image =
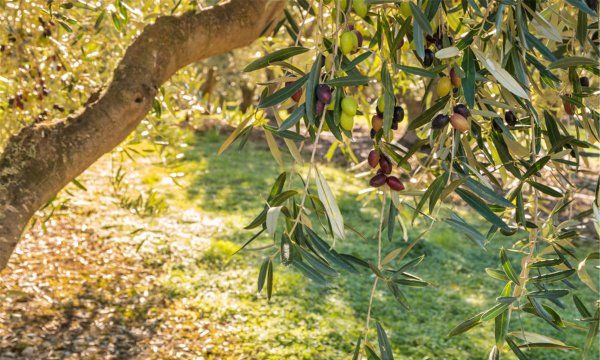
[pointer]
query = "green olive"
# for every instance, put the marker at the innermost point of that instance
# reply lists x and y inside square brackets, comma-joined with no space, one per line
[347,121]
[348,42]
[444,86]
[360,8]
[349,106]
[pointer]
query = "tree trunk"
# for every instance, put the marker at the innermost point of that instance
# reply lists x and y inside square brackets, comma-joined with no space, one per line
[44,157]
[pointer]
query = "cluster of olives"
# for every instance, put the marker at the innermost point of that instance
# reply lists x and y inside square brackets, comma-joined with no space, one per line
[350,40]
[383,173]
[448,83]
[349,105]
[458,119]
[569,107]
[377,120]
[437,40]
[376,158]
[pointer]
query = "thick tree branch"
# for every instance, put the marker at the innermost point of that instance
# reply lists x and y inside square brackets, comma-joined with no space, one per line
[42,158]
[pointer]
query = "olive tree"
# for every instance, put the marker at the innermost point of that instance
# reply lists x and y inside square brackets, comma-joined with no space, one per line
[505,119]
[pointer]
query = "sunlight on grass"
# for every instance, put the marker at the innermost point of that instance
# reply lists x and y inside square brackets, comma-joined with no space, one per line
[307,321]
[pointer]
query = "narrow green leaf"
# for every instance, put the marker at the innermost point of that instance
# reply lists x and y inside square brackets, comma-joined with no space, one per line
[496,274]
[553,276]
[481,208]
[494,311]
[502,322]
[537,166]
[515,349]
[466,325]
[487,194]
[282,94]
[331,207]
[279,55]
[463,227]
[468,83]
[350,80]
[311,86]
[572,61]
[262,274]
[294,117]
[508,268]
[420,18]
[432,73]
[309,272]
[385,348]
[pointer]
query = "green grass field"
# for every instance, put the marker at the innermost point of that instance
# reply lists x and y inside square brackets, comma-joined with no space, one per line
[307,321]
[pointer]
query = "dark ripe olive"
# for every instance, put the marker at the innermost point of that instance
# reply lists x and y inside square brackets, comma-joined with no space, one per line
[385,165]
[372,133]
[359,37]
[430,39]
[428,59]
[394,125]
[373,158]
[510,118]
[569,108]
[440,121]
[324,93]
[297,95]
[439,44]
[454,78]
[394,183]
[398,113]
[462,110]
[584,81]
[319,107]
[377,180]
[377,122]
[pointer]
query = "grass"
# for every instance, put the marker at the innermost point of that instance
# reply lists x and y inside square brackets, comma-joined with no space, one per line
[308,321]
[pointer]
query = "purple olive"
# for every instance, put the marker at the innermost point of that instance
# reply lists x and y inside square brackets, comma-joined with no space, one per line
[584,81]
[428,59]
[462,110]
[394,183]
[319,107]
[440,121]
[385,165]
[297,95]
[398,114]
[373,133]
[359,37]
[373,158]
[510,118]
[378,180]
[324,93]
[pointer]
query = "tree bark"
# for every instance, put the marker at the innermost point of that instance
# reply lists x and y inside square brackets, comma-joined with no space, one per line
[44,157]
